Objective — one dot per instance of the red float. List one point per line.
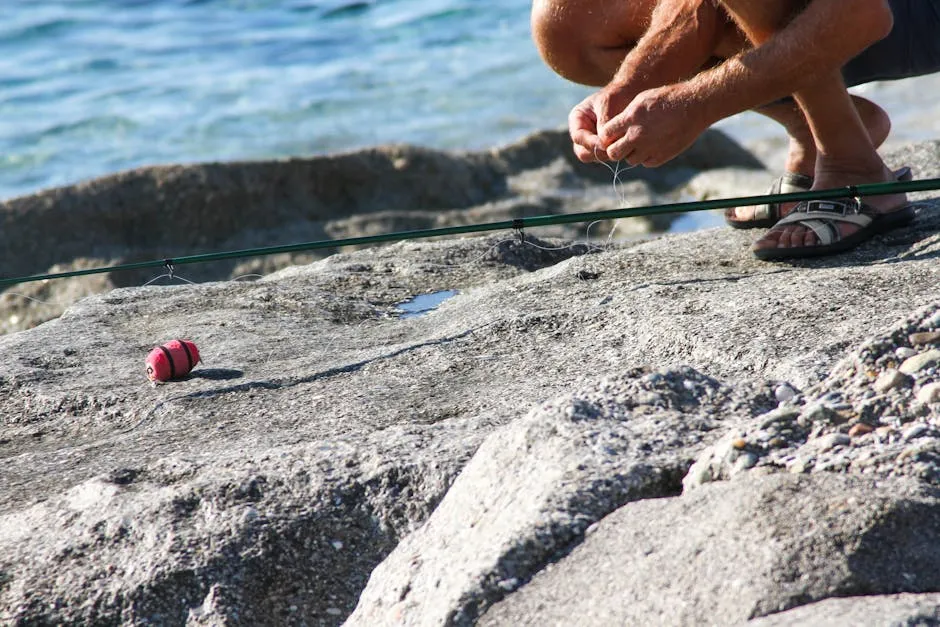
(173, 360)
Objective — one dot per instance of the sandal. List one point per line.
(823, 216)
(766, 216)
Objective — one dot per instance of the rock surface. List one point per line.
(673, 405)
(163, 212)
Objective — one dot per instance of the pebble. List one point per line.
(926, 337)
(885, 430)
(914, 432)
(832, 440)
(860, 429)
(799, 466)
(785, 392)
(779, 417)
(890, 380)
(816, 412)
(904, 352)
(929, 393)
(761, 435)
(919, 362)
(739, 443)
(934, 321)
(745, 461)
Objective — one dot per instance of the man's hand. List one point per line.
(655, 127)
(586, 120)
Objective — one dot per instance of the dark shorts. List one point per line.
(911, 49)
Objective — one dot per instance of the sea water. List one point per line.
(90, 87)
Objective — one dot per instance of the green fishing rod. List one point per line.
(517, 224)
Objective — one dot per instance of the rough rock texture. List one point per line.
(765, 434)
(740, 549)
(171, 211)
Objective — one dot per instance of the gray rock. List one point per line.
(785, 392)
(756, 547)
(162, 212)
(322, 430)
(929, 393)
(529, 494)
(920, 361)
(892, 609)
(891, 379)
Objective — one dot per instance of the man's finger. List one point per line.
(582, 127)
(622, 150)
(590, 155)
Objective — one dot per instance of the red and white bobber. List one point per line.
(172, 360)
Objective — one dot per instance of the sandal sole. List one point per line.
(882, 224)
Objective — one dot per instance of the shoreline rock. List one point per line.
(332, 461)
(163, 212)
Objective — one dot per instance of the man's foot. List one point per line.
(810, 227)
(800, 167)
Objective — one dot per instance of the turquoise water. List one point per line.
(89, 87)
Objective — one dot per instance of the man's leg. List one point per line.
(801, 153)
(846, 154)
(585, 41)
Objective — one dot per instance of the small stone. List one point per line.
(800, 466)
(777, 442)
(738, 443)
(860, 429)
(914, 432)
(334, 611)
(903, 352)
(337, 544)
(817, 412)
(779, 417)
(700, 473)
(761, 435)
(890, 380)
(929, 393)
(832, 440)
(934, 321)
(925, 337)
(919, 362)
(744, 462)
(785, 392)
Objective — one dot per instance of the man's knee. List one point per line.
(566, 34)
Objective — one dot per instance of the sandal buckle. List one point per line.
(844, 206)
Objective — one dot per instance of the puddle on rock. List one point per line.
(423, 304)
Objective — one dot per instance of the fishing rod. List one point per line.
(517, 224)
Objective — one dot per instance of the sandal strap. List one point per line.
(793, 182)
(821, 217)
(786, 183)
